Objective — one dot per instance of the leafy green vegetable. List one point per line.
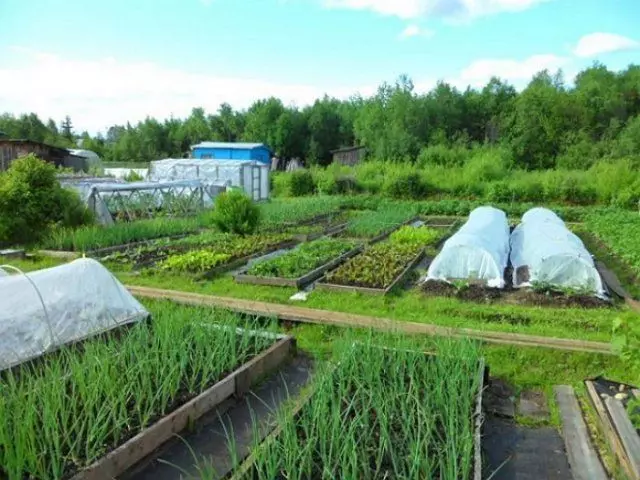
(302, 259)
(621, 231)
(389, 216)
(415, 235)
(376, 267)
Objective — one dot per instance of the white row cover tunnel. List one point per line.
(45, 309)
(542, 250)
(479, 250)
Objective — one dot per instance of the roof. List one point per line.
(346, 149)
(231, 145)
(33, 142)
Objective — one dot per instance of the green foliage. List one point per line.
(32, 202)
(406, 185)
(620, 231)
(96, 236)
(401, 423)
(626, 343)
(302, 259)
(415, 236)
(161, 364)
(133, 176)
(388, 217)
(291, 211)
(235, 212)
(301, 183)
(222, 249)
(377, 266)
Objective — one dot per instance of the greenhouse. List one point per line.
(43, 310)
(479, 250)
(544, 251)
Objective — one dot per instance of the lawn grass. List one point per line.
(577, 323)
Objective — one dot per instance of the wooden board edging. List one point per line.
(151, 438)
(325, 317)
(626, 432)
(583, 459)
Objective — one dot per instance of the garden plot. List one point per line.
(205, 254)
(544, 251)
(380, 267)
(378, 225)
(94, 412)
(382, 413)
(300, 266)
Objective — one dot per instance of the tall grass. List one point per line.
(382, 414)
(283, 211)
(63, 414)
(96, 236)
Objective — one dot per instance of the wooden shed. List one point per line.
(60, 157)
(349, 155)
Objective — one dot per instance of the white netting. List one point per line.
(544, 250)
(478, 251)
(48, 308)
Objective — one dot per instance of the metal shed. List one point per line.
(232, 151)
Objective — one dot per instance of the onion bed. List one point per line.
(382, 414)
(68, 410)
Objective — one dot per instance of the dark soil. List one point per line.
(473, 293)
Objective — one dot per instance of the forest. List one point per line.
(551, 123)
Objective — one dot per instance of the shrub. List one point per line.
(32, 201)
(442, 155)
(133, 176)
(500, 192)
(235, 212)
(301, 183)
(406, 185)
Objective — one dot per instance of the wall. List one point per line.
(260, 153)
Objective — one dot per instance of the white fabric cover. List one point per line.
(478, 251)
(82, 298)
(552, 254)
(250, 175)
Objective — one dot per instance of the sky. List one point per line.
(105, 63)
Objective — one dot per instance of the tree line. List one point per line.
(546, 125)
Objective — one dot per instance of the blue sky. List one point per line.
(109, 62)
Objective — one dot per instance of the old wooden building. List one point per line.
(349, 155)
(60, 157)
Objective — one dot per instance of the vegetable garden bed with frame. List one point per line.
(247, 466)
(299, 282)
(236, 384)
(324, 285)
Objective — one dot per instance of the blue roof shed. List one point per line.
(232, 151)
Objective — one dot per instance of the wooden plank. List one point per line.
(607, 427)
(326, 317)
(626, 432)
(147, 441)
(59, 254)
(583, 459)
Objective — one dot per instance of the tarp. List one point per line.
(48, 308)
(543, 250)
(479, 250)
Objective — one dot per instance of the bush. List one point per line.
(301, 183)
(442, 155)
(235, 212)
(32, 202)
(406, 185)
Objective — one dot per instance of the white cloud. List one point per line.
(517, 72)
(100, 93)
(415, 31)
(411, 9)
(597, 43)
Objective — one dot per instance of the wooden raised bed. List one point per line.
(324, 285)
(242, 260)
(151, 438)
(483, 374)
(621, 436)
(301, 281)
